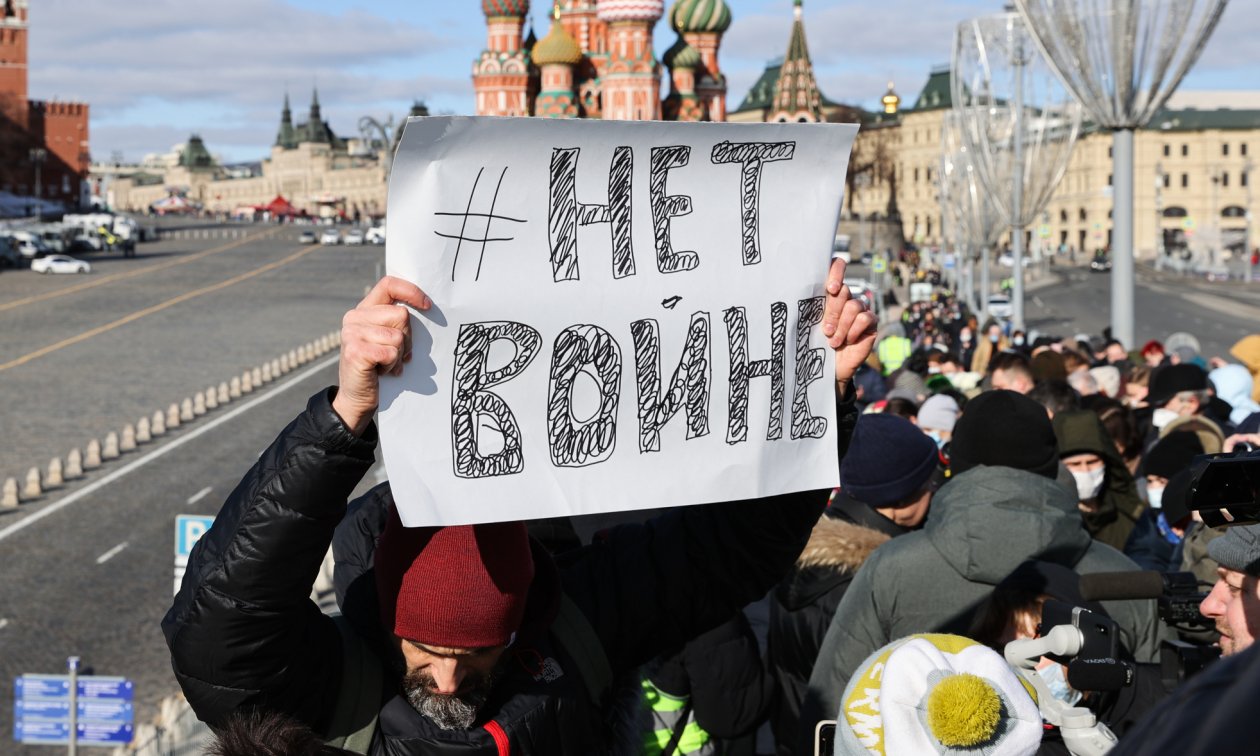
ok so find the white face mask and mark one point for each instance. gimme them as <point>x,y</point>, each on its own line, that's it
<point>1155,497</point>
<point>1162,417</point>
<point>1088,484</point>
<point>1056,681</point>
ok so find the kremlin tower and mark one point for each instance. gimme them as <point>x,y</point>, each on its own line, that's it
<point>597,61</point>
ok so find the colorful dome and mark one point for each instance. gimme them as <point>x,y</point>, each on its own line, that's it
<point>682,55</point>
<point>630,10</point>
<point>700,16</point>
<point>557,47</point>
<point>505,8</point>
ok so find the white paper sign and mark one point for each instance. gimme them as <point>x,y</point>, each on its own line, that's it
<point>624,315</point>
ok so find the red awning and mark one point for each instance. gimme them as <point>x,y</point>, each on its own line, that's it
<point>280,206</point>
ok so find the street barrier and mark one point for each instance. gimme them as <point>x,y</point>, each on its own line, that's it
<point>128,441</point>
<point>234,388</point>
<point>110,449</point>
<point>92,459</point>
<point>32,490</point>
<point>199,404</point>
<point>9,497</point>
<point>212,398</point>
<point>54,478</point>
<point>143,432</point>
<point>74,465</point>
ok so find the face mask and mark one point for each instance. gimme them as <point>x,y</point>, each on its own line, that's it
<point>934,370</point>
<point>1054,678</point>
<point>936,436</point>
<point>1088,484</point>
<point>1155,497</point>
<point>1018,341</point>
<point>993,337</point>
<point>965,338</point>
<point>1162,417</point>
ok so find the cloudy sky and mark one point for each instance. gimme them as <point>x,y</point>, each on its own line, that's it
<point>155,71</point>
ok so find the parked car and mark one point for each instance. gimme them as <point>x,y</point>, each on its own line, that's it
<point>330,236</point>
<point>375,235</point>
<point>1005,260</point>
<point>307,237</point>
<point>60,264</point>
<point>1000,307</point>
<point>354,237</point>
<point>1100,264</point>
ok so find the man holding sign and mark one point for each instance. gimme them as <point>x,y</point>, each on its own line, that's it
<point>510,390</point>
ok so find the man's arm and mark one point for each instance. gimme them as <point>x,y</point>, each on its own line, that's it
<point>243,631</point>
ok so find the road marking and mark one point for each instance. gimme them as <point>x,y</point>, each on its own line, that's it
<point>132,274</point>
<point>155,308</point>
<point>108,555</point>
<point>199,495</point>
<point>3,623</point>
<point>162,451</point>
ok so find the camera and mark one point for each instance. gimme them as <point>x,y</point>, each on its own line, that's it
<point>1225,488</point>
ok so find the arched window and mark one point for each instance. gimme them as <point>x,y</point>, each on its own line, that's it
<point>1233,211</point>
<point>1175,212</point>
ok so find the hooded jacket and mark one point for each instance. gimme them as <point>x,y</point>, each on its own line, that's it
<point>1234,386</point>
<point>984,524</point>
<point>1119,505</point>
<point>1247,350</point>
<point>802,605</point>
<point>243,632</point>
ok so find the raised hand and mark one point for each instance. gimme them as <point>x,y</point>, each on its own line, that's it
<point>849,328</point>
<point>375,339</point>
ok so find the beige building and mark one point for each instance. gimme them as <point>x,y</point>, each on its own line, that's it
<point>317,172</point>
<point>1192,179</point>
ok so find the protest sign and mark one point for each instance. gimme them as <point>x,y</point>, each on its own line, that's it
<point>625,315</point>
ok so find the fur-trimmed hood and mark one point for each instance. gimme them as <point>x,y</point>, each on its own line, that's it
<point>840,544</point>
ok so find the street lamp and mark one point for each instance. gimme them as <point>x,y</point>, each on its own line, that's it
<point>1122,59</point>
<point>38,155</point>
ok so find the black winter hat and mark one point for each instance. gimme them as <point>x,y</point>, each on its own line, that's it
<point>1172,454</point>
<point>1007,429</point>
<point>1168,381</point>
<point>889,459</point>
<point>1176,502</point>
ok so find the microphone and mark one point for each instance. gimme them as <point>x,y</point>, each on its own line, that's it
<point>1120,586</point>
<point>1099,674</point>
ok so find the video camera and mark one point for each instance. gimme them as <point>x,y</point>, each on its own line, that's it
<point>1225,488</point>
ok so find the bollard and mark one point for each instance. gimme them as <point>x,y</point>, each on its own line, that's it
<point>185,411</point>
<point>128,441</point>
<point>224,394</point>
<point>266,372</point>
<point>324,346</point>
<point>199,404</point>
<point>32,489</point>
<point>275,369</point>
<point>212,399</point>
<point>54,478</point>
<point>143,434</point>
<point>173,414</point>
<point>336,339</point>
<point>158,424</point>
<point>92,459</point>
<point>9,499</point>
<point>308,352</point>
<point>110,450</point>
<point>295,358</point>
<point>234,388</point>
<point>74,465</point>
<point>255,376</point>
<point>247,382</point>
<point>285,364</point>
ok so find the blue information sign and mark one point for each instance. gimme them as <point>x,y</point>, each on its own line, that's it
<point>188,529</point>
<point>41,710</point>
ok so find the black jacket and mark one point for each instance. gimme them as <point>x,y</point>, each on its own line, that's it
<point>243,632</point>
<point>803,604</point>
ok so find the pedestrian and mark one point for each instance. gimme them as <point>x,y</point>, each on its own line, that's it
<point>1247,350</point>
<point>1233,384</point>
<point>472,638</point>
<point>1107,496</point>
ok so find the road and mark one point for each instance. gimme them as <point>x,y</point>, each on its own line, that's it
<point>88,567</point>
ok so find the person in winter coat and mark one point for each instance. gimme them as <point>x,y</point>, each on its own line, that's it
<point>1155,543</point>
<point>1108,497</point>
<point>483,643</point>
<point>1247,350</point>
<point>887,480</point>
<point>1234,385</point>
<point>1001,507</point>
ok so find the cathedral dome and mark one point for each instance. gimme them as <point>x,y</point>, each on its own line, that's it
<point>630,10</point>
<point>557,47</point>
<point>700,16</point>
<point>682,55</point>
<point>505,8</point>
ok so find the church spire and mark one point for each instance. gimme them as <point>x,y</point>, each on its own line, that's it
<point>286,137</point>
<point>796,95</point>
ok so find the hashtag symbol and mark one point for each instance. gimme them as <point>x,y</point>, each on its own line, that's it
<point>489,217</point>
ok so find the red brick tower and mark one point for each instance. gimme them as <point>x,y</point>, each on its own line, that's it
<point>13,78</point>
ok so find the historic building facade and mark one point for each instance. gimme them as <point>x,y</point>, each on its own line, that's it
<point>597,60</point>
<point>40,140</point>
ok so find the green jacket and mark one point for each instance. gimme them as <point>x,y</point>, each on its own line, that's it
<point>1119,506</point>
<point>982,525</point>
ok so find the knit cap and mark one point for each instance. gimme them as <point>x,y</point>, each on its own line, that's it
<point>888,459</point>
<point>935,694</point>
<point>1007,429</point>
<point>457,587</point>
<point>1170,380</point>
<point>1172,454</point>
<point>939,412</point>
<point>1238,549</point>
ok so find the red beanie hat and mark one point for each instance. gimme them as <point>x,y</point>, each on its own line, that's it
<point>457,587</point>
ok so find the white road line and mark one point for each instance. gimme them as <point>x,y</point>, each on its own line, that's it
<point>3,623</point>
<point>108,555</point>
<point>199,495</point>
<point>162,451</point>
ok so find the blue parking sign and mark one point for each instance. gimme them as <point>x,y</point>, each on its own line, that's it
<point>188,530</point>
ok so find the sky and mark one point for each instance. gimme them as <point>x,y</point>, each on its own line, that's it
<point>156,71</point>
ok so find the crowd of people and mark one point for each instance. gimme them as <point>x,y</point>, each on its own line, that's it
<point>982,473</point>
